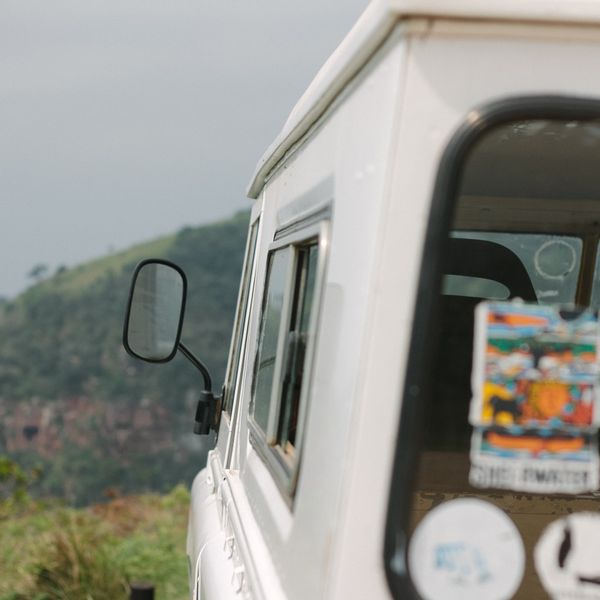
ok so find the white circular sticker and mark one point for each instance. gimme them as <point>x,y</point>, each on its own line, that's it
<point>555,259</point>
<point>466,549</point>
<point>567,557</point>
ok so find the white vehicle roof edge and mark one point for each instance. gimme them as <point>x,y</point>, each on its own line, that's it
<point>370,31</point>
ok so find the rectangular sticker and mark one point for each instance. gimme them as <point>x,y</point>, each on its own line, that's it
<point>535,406</point>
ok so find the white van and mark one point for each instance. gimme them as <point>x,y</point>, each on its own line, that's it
<point>447,153</point>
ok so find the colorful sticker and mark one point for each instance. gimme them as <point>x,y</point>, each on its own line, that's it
<point>466,549</point>
<point>535,406</point>
<point>566,557</point>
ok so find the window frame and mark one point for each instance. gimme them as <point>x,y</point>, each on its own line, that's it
<point>240,328</point>
<point>266,443</point>
<point>417,389</point>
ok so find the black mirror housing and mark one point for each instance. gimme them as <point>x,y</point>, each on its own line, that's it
<point>152,330</point>
<point>155,311</point>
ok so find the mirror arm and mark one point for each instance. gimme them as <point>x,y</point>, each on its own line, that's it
<point>198,364</point>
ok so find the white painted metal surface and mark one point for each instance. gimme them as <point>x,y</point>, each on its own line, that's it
<point>366,140</point>
<point>375,25</point>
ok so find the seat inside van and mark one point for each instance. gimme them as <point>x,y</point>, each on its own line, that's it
<point>476,262</point>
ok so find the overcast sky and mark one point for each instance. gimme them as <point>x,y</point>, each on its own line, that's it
<point>124,120</point>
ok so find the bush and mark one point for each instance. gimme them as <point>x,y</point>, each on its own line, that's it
<point>93,553</point>
<point>14,484</point>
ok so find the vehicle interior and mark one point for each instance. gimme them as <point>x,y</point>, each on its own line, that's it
<point>526,225</point>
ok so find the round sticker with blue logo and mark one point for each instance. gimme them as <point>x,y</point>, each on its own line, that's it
<point>466,549</point>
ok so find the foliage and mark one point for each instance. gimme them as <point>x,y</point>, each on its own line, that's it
<point>61,344</point>
<point>38,272</point>
<point>81,277</point>
<point>14,483</point>
<point>70,343</point>
<point>81,475</point>
<point>94,553</point>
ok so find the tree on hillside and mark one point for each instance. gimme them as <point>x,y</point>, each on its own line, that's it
<point>38,272</point>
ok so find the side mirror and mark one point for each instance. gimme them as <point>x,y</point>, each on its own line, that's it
<point>152,329</point>
<point>155,311</point>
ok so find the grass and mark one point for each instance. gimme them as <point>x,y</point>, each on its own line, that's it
<point>57,553</point>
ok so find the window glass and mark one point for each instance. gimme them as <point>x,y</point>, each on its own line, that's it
<point>286,337</point>
<point>552,261</point>
<point>296,342</point>
<point>525,225</point>
<point>596,288</point>
<point>269,335</point>
<point>474,287</point>
<point>238,334</point>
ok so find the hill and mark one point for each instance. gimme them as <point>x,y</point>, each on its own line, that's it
<point>74,402</point>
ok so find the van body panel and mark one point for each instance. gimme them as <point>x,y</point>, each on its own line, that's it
<point>355,160</point>
<point>358,160</point>
<point>504,61</point>
<point>216,569</point>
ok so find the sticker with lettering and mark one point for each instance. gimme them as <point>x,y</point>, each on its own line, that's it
<point>536,403</point>
<point>466,549</point>
<point>567,555</point>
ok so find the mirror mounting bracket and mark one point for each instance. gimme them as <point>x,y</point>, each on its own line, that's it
<point>208,413</point>
<point>208,410</point>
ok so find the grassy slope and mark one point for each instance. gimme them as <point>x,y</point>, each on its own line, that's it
<point>93,553</point>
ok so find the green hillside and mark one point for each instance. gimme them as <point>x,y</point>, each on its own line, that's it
<point>77,279</point>
<point>73,401</point>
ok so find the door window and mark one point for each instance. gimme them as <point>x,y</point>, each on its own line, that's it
<point>295,347</point>
<point>270,326</point>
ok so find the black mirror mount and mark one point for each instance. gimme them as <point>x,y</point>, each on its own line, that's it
<point>198,364</point>
<point>208,409</point>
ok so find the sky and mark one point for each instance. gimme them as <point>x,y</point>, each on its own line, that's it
<point>124,120</point>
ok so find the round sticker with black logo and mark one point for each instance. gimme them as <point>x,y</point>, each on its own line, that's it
<point>567,557</point>
<point>466,549</point>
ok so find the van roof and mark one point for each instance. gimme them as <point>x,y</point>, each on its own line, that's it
<point>373,27</point>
